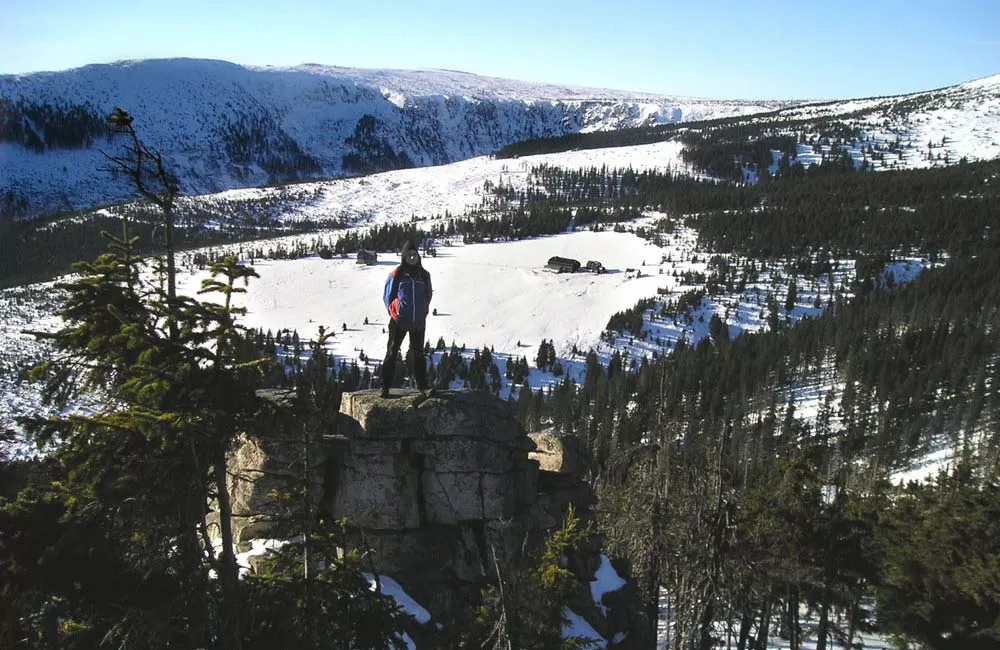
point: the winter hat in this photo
(407, 248)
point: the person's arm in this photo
(430, 290)
(389, 295)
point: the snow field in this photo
(429, 192)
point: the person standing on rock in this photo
(407, 297)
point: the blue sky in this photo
(719, 49)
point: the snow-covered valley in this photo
(845, 365)
(497, 295)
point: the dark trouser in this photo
(396, 334)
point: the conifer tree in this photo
(173, 395)
(525, 607)
(169, 408)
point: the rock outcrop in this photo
(436, 489)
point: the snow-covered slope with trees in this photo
(224, 126)
(936, 128)
(928, 129)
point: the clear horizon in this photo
(773, 49)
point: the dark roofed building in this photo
(563, 264)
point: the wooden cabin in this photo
(367, 257)
(563, 264)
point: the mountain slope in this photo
(934, 128)
(225, 126)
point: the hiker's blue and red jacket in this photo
(408, 296)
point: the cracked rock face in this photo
(435, 488)
(457, 457)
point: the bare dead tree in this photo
(145, 169)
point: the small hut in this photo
(563, 264)
(367, 257)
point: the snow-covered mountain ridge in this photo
(927, 129)
(224, 126)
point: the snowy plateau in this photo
(222, 126)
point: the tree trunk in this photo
(824, 622)
(852, 617)
(705, 640)
(168, 216)
(745, 622)
(794, 642)
(764, 631)
(228, 571)
(193, 563)
(676, 633)
(653, 573)
(652, 607)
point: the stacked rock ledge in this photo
(434, 487)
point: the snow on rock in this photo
(605, 581)
(258, 547)
(577, 626)
(392, 588)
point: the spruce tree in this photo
(171, 397)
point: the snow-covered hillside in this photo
(927, 129)
(225, 126)
(430, 192)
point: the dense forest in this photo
(701, 455)
(736, 511)
(39, 127)
(38, 250)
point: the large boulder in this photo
(561, 454)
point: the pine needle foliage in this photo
(526, 607)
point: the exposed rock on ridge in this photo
(433, 488)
